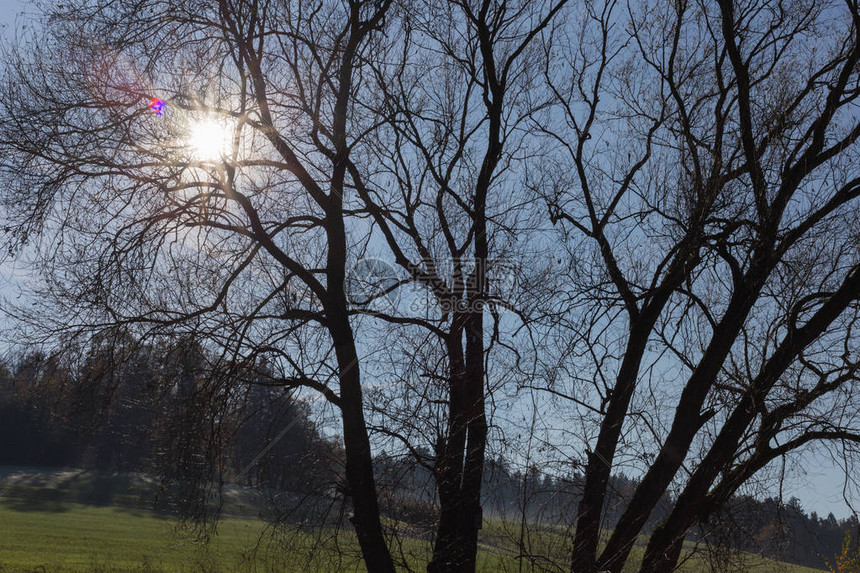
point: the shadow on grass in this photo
(34, 490)
(31, 504)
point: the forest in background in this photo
(141, 408)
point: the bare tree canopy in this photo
(705, 161)
(638, 218)
(147, 221)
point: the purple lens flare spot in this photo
(157, 106)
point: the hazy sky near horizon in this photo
(819, 490)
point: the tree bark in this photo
(599, 465)
(359, 460)
(460, 462)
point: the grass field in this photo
(47, 533)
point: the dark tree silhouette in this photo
(675, 182)
(705, 167)
(148, 223)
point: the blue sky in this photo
(9, 9)
(819, 490)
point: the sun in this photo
(209, 140)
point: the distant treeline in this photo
(123, 405)
(126, 406)
(771, 527)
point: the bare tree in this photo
(705, 167)
(224, 215)
(455, 87)
(698, 161)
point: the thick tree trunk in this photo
(359, 459)
(696, 503)
(599, 466)
(687, 421)
(359, 463)
(473, 471)
(448, 551)
(460, 464)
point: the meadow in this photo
(44, 527)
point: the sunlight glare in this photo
(209, 140)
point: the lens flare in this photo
(157, 106)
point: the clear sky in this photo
(819, 489)
(9, 11)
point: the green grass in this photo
(41, 530)
(504, 536)
(74, 537)
(79, 538)
(69, 537)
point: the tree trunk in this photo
(461, 459)
(600, 460)
(696, 502)
(359, 462)
(359, 459)
(686, 423)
